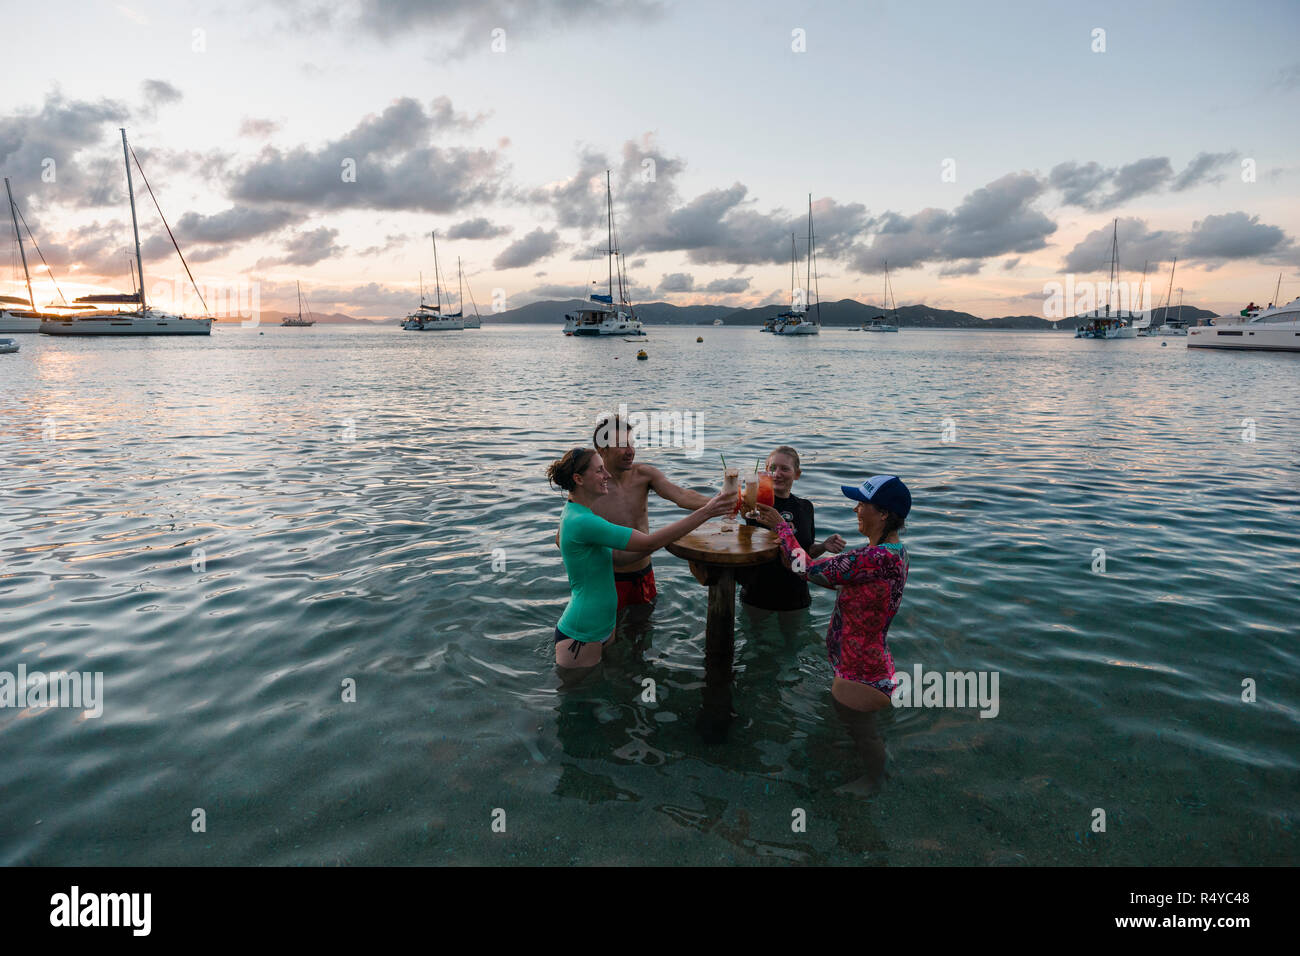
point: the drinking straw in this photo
(724, 460)
(757, 464)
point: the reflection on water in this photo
(230, 529)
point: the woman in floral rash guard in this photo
(870, 581)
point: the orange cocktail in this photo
(766, 495)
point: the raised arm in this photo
(713, 507)
(681, 497)
(851, 567)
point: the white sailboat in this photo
(880, 323)
(1119, 325)
(299, 322)
(26, 317)
(798, 321)
(431, 318)
(144, 320)
(602, 316)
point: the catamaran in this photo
(431, 318)
(299, 322)
(144, 320)
(1119, 325)
(797, 321)
(602, 317)
(1275, 329)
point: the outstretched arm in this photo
(681, 497)
(713, 507)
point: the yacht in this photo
(1275, 329)
(600, 316)
(7, 346)
(299, 322)
(432, 318)
(879, 324)
(143, 320)
(797, 321)
(1117, 325)
(26, 317)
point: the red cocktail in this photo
(766, 496)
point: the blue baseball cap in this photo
(886, 492)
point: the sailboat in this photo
(880, 323)
(797, 321)
(299, 322)
(144, 320)
(431, 318)
(1119, 325)
(601, 316)
(27, 317)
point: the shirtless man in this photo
(627, 504)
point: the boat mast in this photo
(299, 301)
(1169, 296)
(807, 283)
(22, 252)
(1114, 263)
(460, 292)
(1276, 292)
(436, 287)
(609, 250)
(792, 257)
(130, 191)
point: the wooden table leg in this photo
(719, 653)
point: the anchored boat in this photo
(144, 320)
(1275, 329)
(602, 317)
(797, 321)
(1119, 324)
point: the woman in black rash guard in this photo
(772, 589)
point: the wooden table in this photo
(714, 556)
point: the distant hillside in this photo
(275, 317)
(654, 313)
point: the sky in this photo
(982, 150)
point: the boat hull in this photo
(9, 322)
(152, 325)
(1246, 339)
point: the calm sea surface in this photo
(230, 528)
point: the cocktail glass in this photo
(730, 486)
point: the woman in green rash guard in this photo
(587, 543)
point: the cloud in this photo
(396, 168)
(479, 228)
(60, 131)
(160, 93)
(1211, 242)
(535, 246)
(306, 249)
(729, 286)
(465, 26)
(256, 128)
(1234, 235)
(1094, 187)
(558, 291)
(1288, 78)
(968, 268)
(1199, 170)
(1011, 264)
(677, 282)
(993, 220)
(235, 224)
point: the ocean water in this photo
(232, 529)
